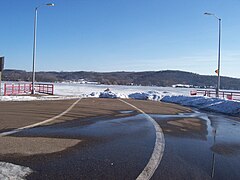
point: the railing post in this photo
(52, 88)
(5, 89)
(12, 88)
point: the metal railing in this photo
(26, 88)
(15, 89)
(44, 88)
(231, 95)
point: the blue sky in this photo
(121, 35)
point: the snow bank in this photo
(107, 94)
(12, 171)
(206, 103)
(150, 95)
(139, 96)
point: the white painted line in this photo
(39, 123)
(157, 154)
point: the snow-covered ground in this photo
(166, 94)
(13, 171)
(79, 89)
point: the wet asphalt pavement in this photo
(114, 149)
(212, 154)
(198, 145)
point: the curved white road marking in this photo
(157, 154)
(40, 123)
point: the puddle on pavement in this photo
(207, 148)
(126, 112)
(98, 129)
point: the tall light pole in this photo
(35, 43)
(219, 49)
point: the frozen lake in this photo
(78, 89)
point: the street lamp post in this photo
(219, 49)
(35, 43)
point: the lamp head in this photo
(209, 14)
(50, 4)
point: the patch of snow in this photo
(139, 96)
(107, 94)
(17, 98)
(206, 103)
(13, 171)
(43, 98)
(35, 98)
(94, 94)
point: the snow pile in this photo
(107, 94)
(12, 171)
(150, 95)
(206, 103)
(94, 94)
(139, 96)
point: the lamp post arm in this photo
(217, 17)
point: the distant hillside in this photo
(148, 78)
